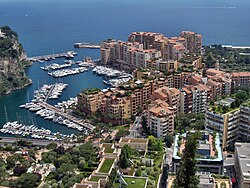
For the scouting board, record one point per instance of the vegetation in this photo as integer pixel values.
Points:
(134, 183)
(112, 179)
(169, 139)
(242, 97)
(27, 180)
(186, 174)
(12, 64)
(107, 164)
(125, 155)
(69, 163)
(229, 59)
(91, 91)
(155, 144)
(185, 122)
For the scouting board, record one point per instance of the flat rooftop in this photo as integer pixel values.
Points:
(134, 140)
(243, 150)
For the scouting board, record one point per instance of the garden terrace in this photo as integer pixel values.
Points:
(108, 147)
(134, 182)
(95, 178)
(106, 165)
(91, 91)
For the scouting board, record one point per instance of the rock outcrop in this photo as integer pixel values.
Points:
(12, 62)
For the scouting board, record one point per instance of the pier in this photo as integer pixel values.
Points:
(49, 93)
(236, 47)
(87, 45)
(65, 115)
(69, 54)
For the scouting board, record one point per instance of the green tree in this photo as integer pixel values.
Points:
(186, 174)
(169, 139)
(126, 153)
(26, 180)
(138, 172)
(51, 146)
(112, 178)
(155, 143)
(121, 133)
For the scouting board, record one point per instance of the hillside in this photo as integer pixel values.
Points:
(12, 62)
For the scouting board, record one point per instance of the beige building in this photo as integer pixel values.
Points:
(135, 143)
(161, 119)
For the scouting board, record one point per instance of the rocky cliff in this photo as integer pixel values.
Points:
(12, 62)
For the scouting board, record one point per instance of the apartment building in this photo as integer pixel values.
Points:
(216, 89)
(170, 96)
(145, 38)
(224, 123)
(244, 123)
(90, 101)
(193, 42)
(144, 46)
(194, 98)
(160, 119)
(242, 164)
(209, 154)
(241, 79)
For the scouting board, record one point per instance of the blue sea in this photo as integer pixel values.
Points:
(47, 26)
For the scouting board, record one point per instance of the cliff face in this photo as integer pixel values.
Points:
(12, 62)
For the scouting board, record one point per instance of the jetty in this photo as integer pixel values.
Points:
(69, 54)
(87, 45)
(236, 47)
(65, 115)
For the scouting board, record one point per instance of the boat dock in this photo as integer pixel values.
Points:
(69, 54)
(49, 93)
(65, 115)
(87, 45)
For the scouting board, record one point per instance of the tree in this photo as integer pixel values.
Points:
(121, 133)
(138, 172)
(186, 174)
(112, 178)
(19, 170)
(26, 180)
(51, 146)
(169, 140)
(124, 157)
(155, 143)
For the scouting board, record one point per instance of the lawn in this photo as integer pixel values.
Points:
(95, 178)
(106, 165)
(109, 150)
(138, 182)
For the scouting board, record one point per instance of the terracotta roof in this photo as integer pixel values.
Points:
(237, 74)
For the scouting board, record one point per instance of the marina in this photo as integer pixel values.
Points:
(57, 113)
(32, 131)
(41, 59)
(67, 72)
(55, 66)
(109, 72)
(117, 77)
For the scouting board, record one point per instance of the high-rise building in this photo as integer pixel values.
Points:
(193, 42)
(160, 119)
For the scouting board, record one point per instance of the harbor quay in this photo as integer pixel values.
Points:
(65, 115)
(42, 58)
